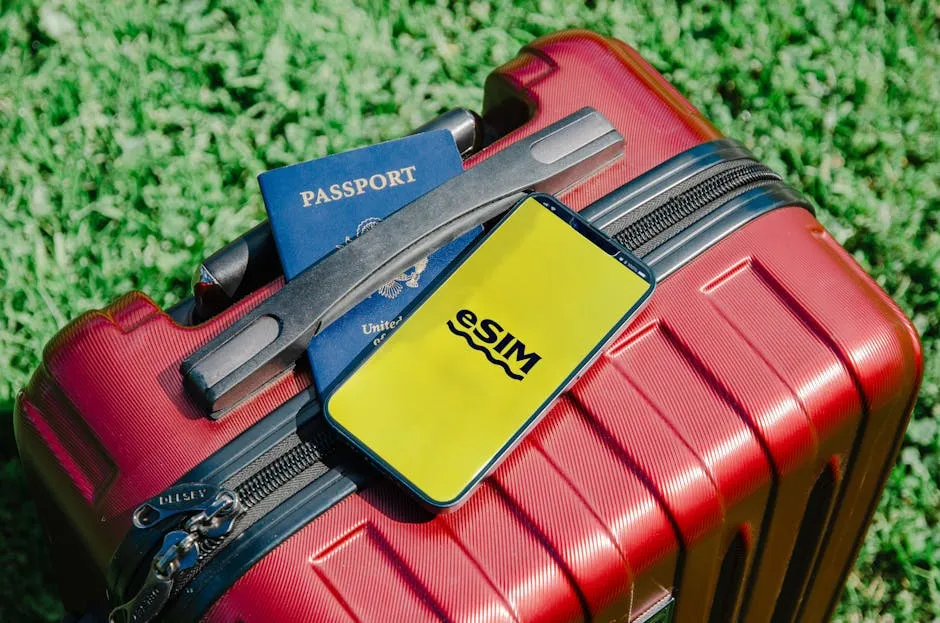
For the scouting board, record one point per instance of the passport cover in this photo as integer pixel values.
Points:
(317, 206)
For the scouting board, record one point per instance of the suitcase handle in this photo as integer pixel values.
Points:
(250, 261)
(271, 337)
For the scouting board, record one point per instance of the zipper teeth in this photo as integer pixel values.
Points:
(272, 477)
(687, 203)
(266, 481)
(275, 475)
(284, 469)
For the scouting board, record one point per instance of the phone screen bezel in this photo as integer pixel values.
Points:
(594, 235)
(581, 226)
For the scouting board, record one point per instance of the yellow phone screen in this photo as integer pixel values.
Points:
(458, 382)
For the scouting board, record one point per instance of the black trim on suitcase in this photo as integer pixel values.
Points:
(692, 242)
(293, 514)
(737, 189)
(221, 467)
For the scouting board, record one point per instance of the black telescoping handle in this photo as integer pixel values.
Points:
(238, 268)
(272, 336)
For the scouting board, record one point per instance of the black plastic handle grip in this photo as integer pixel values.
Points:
(271, 337)
(250, 261)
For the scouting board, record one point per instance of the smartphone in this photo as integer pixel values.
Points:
(487, 349)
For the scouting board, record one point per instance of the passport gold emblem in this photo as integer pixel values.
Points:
(358, 186)
(500, 347)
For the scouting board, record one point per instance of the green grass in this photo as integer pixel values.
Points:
(131, 134)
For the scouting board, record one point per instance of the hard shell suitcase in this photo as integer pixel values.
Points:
(720, 462)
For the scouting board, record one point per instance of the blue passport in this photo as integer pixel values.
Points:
(318, 206)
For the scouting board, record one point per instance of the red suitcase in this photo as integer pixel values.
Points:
(727, 451)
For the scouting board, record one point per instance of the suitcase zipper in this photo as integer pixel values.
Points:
(684, 206)
(212, 521)
(675, 211)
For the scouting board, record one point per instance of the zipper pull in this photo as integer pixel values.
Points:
(182, 498)
(214, 518)
(217, 518)
(180, 551)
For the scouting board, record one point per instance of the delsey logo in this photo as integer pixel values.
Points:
(180, 497)
(501, 347)
(358, 186)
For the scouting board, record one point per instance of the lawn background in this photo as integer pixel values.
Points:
(131, 134)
